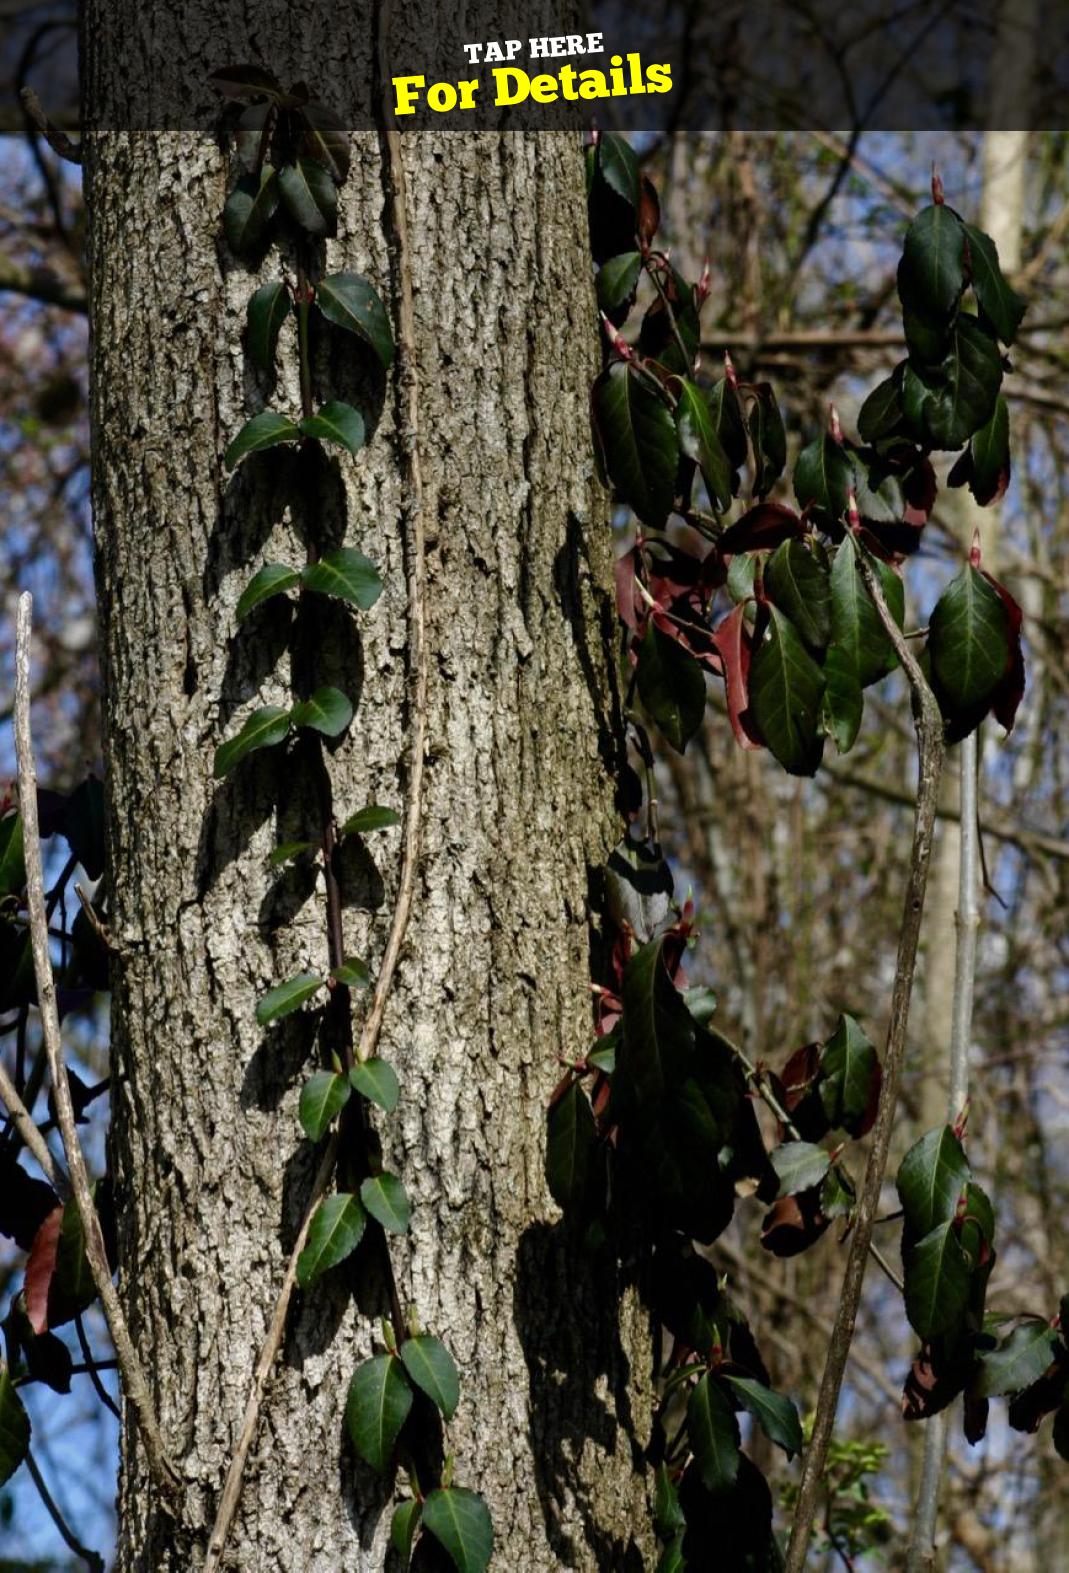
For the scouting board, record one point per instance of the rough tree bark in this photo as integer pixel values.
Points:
(210, 1165)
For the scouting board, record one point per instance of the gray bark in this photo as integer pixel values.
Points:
(211, 1167)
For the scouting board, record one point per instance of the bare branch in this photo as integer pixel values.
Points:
(30, 1135)
(132, 1374)
(58, 140)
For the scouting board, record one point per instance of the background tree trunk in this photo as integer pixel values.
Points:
(211, 1169)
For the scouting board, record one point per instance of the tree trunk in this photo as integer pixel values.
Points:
(212, 1172)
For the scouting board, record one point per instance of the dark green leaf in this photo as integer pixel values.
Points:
(272, 579)
(714, 1435)
(618, 167)
(403, 1526)
(245, 83)
(986, 466)
(729, 423)
(930, 1179)
(352, 972)
(786, 689)
(323, 1095)
(849, 1077)
(618, 280)
(377, 1407)
(946, 403)
(639, 443)
(570, 1145)
(350, 302)
(377, 1081)
(338, 423)
(671, 1558)
(774, 1412)
(430, 1366)
(327, 711)
(769, 439)
(838, 1193)
(823, 479)
(968, 641)
(881, 415)
(931, 274)
(310, 196)
(658, 1040)
(265, 430)
(459, 1521)
(844, 703)
(384, 1197)
(325, 139)
(856, 630)
(335, 1233)
(937, 1282)
(263, 729)
(72, 1287)
(84, 825)
(671, 685)
(1000, 304)
(249, 209)
(1019, 1361)
(12, 865)
(667, 1514)
(347, 575)
(288, 851)
(287, 997)
(370, 818)
(699, 441)
(800, 1166)
(268, 310)
(798, 584)
(14, 1427)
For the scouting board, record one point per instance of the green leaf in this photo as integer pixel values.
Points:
(658, 1041)
(264, 728)
(671, 1558)
(638, 441)
(881, 416)
(352, 972)
(769, 439)
(310, 196)
(338, 423)
(370, 818)
(72, 1288)
(968, 641)
(327, 711)
(1019, 1361)
(1000, 304)
(430, 1366)
(986, 466)
(844, 703)
(403, 1526)
(774, 1412)
(699, 441)
(265, 430)
(798, 584)
(377, 1081)
(14, 1427)
(287, 997)
(714, 1435)
(729, 423)
(249, 209)
(849, 1075)
(823, 479)
(288, 851)
(786, 689)
(946, 403)
(931, 274)
(12, 864)
(385, 1199)
(930, 1179)
(377, 1407)
(667, 1513)
(459, 1521)
(335, 1232)
(618, 167)
(347, 575)
(570, 1146)
(268, 309)
(856, 630)
(937, 1277)
(271, 579)
(800, 1166)
(617, 280)
(323, 1096)
(325, 139)
(350, 302)
(671, 685)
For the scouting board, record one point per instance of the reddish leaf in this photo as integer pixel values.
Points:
(793, 1224)
(761, 528)
(649, 211)
(975, 1418)
(40, 1267)
(801, 1099)
(734, 644)
(928, 1389)
(630, 603)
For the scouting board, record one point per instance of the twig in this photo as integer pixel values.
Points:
(133, 1376)
(93, 1368)
(31, 1137)
(930, 748)
(407, 385)
(921, 1553)
(92, 1559)
(58, 140)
